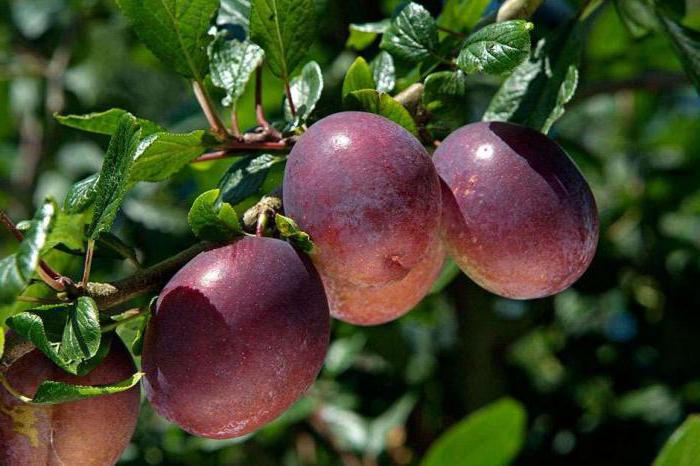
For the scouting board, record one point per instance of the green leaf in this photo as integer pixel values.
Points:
(104, 122)
(68, 230)
(532, 95)
(362, 35)
(638, 16)
(383, 72)
(497, 48)
(683, 448)
(245, 177)
(213, 220)
(491, 436)
(175, 31)
(232, 63)
(285, 29)
(358, 76)
(112, 182)
(81, 195)
(306, 91)
(289, 229)
(51, 392)
(235, 12)
(412, 34)
(445, 96)
(137, 343)
(462, 15)
(566, 93)
(45, 327)
(17, 269)
(686, 42)
(161, 155)
(370, 100)
(81, 334)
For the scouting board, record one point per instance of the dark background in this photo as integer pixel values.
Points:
(606, 369)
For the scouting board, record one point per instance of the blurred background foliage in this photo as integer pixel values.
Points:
(606, 370)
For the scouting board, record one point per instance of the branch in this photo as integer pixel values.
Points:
(152, 279)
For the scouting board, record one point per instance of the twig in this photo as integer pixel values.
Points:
(10, 225)
(288, 90)
(88, 262)
(235, 127)
(237, 147)
(109, 295)
(217, 126)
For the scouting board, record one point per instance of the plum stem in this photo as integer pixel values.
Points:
(88, 262)
(217, 126)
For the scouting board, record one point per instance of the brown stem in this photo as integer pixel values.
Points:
(288, 90)
(235, 127)
(259, 110)
(108, 295)
(217, 126)
(234, 148)
(88, 262)
(10, 225)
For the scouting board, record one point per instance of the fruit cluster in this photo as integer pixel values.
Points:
(241, 331)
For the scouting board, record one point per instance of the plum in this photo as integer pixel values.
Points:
(519, 218)
(366, 191)
(238, 335)
(373, 305)
(89, 432)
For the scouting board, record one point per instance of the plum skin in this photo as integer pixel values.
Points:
(519, 218)
(238, 335)
(89, 432)
(366, 191)
(374, 305)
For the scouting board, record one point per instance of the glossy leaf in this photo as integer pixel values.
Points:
(362, 35)
(17, 269)
(370, 100)
(383, 72)
(52, 392)
(497, 48)
(491, 436)
(234, 12)
(533, 93)
(683, 448)
(175, 31)
(284, 29)
(245, 177)
(412, 34)
(112, 183)
(81, 334)
(81, 194)
(289, 229)
(213, 220)
(232, 63)
(358, 76)
(306, 91)
(161, 155)
(462, 15)
(105, 122)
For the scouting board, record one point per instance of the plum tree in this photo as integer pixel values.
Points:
(89, 432)
(367, 193)
(238, 335)
(374, 305)
(518, 216)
